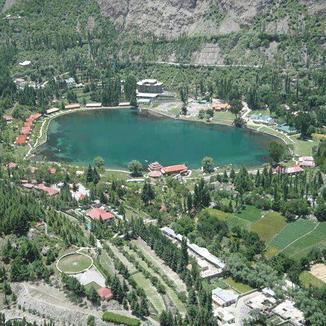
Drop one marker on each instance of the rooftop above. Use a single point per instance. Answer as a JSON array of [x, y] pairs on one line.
[[287, 310], [104, 293], [175, 169], [225, 296], [99, 213]]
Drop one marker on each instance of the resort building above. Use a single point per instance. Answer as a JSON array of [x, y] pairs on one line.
[[7, 118], [261, 301], [72, 106], [224, 298], [25, 63], [99, 214], [52, 110], [219, 105], [293, 170], [287, 311], [155, 166], [150, 86], [93, 105], [174, 169], [210, 266], [12, 166], [48, 190], [104, 293], [262, 119], [155, 174], [306, 162], [21, 140], [286, 129]]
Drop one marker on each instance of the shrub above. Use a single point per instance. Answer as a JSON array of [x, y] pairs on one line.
[[120, 319]]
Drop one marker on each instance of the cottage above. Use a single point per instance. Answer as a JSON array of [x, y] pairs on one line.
[[155, 174], [70, 82], [52, 110], [25, 130], [104, 293], [306, 162], [8, 118], [21, 140], [52, 170], [293, 170], [100, 214], [48, 190], [72, 106], [174, 169], [155, 166]]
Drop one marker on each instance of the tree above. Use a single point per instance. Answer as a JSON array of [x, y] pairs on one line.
[[135, 168], [276, 151], [303, 123], [208, 164], [99, 162], [91, 320], [236, 107], [148, 193], [321, 212]]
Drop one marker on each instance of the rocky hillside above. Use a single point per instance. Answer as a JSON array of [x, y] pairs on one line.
[[172, 18]]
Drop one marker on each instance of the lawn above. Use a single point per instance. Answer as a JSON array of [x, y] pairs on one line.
[[74, 263], [92, 285], [250, 213], [303, 147], [291, 232], [221, 216], [234, 220], [307, 280], [153, 296], [237, 286], [317, 238], [267, 227]]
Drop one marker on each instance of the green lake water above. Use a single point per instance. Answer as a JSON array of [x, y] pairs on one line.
[[120, 136]]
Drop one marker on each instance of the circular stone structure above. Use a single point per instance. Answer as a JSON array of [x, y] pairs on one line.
[[74, 263]]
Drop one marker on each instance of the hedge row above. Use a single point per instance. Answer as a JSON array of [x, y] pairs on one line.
[[120, 319]]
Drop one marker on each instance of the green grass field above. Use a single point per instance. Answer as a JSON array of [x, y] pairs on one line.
[[317, 238], [307, 280], [237, 286], [291, 232], [250, 213], [267, 227], [153, 296], [74, 263]]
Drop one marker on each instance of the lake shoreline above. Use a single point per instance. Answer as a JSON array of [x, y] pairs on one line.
[[43, 132]]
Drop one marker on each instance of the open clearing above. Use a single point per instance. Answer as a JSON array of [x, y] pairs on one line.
[[267, 227], [74, 263], [307, 280], [319, 271], [250, 213], [237, 286]]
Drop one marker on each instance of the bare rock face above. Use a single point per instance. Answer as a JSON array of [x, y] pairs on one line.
[[171, 18]]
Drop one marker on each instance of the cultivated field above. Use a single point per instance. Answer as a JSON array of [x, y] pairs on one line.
[[268, 226], [319, 271]]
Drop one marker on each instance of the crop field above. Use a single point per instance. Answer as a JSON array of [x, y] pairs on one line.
[[291, 232], [250, 213], [317, 238], [267, 227], [307, 279]]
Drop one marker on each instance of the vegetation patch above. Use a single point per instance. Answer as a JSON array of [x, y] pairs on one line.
[[250, 213], [308, 280], [301, 248], [74, 263], [238, 286], [271, 224], [291, 232], [120, 319], [234, 221]]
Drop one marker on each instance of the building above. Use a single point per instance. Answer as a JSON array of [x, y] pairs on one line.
[[155, 166], [52, 110], [72, 106], [261, 301], [306, 162], [25, 63], [21, 140], [93, 105], [52, 170], [155, 174], [174, 169], [25, 130], [48, 190], [287, 311], [210, 266], [8, 118], [293, 170], [224, 298], [104, 293], [100, 214], [150, 86], [70, 82], [220, 106], [12, 166], [262, 119], [286, 129]]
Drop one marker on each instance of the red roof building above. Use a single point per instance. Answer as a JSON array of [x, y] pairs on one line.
[[72, 106], [48, 190], [155, 174], [21, 140], [293, 170], [12, 165], [99, 213], [104, 293], [155, 166], [35, 116], [25, 130], [175, 169]]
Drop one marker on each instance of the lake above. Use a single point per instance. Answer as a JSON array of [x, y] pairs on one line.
[[122, 135]]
